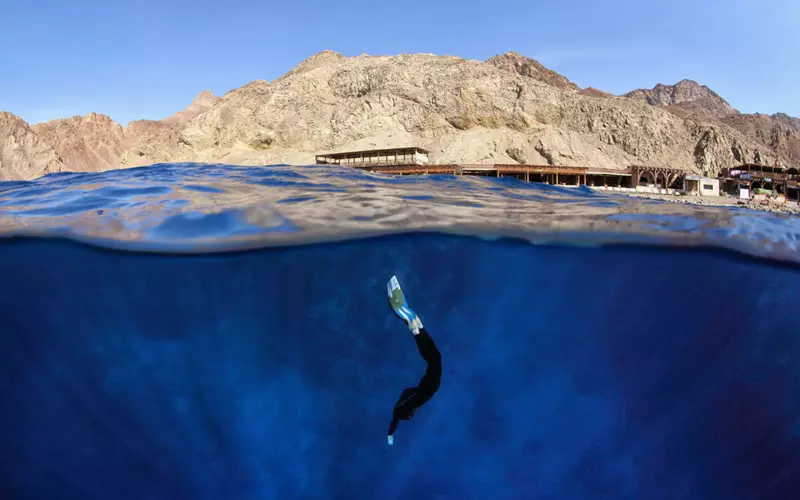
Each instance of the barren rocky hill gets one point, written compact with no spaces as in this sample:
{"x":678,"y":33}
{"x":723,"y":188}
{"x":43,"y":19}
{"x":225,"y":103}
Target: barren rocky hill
{"x":23,"y":154}
{"x":779,"y":134}
{"x":95,"y":142}
{"x":156,"y":141}
{"x":508,"y":109}
{"x":91,"y":143}
{"x":688,"y":95}
{"x":462,"y":110}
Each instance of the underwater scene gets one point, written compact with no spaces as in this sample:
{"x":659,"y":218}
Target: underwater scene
{"x":193,"y":331}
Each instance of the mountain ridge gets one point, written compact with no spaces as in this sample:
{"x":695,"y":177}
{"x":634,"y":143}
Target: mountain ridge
{"x":686,"y":94}
{"x":508,"y":108}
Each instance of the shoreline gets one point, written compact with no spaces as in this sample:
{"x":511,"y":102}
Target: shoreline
{"x":790,"y":208}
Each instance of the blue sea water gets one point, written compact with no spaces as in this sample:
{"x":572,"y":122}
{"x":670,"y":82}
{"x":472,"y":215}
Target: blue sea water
{"x":208,"y":331}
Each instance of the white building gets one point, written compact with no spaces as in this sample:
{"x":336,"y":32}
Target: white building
{"x":697,"y":185}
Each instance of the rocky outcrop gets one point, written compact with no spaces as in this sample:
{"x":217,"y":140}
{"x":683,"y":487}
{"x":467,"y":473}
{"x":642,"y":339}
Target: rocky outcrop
{"x":717,"y":148}
{"x":204,"y":101}
{"x":90,"y":143}
{"x":319,"y":59}
{"x":686,"y":95}
{"x":780,"y":133}
{"x":151,"y":141}
{"x":530,"y":68}
{"x":23,"y":154}
{"x":593,"y":92}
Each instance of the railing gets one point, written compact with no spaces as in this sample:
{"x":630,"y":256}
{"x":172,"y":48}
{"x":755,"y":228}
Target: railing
{"x":370,"y":162}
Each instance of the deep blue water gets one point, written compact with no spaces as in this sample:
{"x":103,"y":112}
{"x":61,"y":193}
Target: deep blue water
{"x":144,"y":358}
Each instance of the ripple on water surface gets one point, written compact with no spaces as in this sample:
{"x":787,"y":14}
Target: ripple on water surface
{"x":199,"y":207}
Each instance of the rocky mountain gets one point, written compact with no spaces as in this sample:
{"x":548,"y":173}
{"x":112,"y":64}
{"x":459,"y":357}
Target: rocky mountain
{"x":686,"y":95}
{"x":95,"y":142}
{"x":779,"y":134}
{"x":462,"y":110}
{"x":23,"y":154}
{"x":509,"y":109}
{"x":90,"y":143}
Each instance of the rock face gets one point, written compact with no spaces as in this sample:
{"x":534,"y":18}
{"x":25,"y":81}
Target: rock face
{"x":687,"y":95}
{"x":23,"y":154}
{"x":779,"y":132}
{"x":90,"y":143}
{"x":509,"y":109}
{"x":149,"y":142}
{"x":95,"y":142}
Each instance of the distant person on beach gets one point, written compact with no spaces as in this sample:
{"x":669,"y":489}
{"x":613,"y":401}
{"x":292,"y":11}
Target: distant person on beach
{"x":414,"y":397}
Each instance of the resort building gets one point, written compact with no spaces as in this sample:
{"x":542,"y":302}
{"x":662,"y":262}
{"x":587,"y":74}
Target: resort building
{"x":609,"y":178}
{"x":748,"y":181}
{"x":376,"y":157}
{"x":751,"y":180}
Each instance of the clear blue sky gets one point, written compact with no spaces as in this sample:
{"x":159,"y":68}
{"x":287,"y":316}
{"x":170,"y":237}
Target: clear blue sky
{"x":149,"y":58}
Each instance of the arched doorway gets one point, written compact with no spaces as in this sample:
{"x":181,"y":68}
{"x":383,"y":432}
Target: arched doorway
{"x":661,"y":180}
{"x":646,"y":178}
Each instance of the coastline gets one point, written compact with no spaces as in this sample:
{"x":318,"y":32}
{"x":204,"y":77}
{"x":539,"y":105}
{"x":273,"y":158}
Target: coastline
{"x":791,"y":208}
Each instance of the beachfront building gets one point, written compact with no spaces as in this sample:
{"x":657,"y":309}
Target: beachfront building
{"x":376,"y":157}
{"x":549,"y":174}
{"x":415,"y":161}
{"x":698,"y":185}
{"x":562,"y":175}
{"x":793,"y":184}
{"x":609,"y":178}
{"x":752,"y":179}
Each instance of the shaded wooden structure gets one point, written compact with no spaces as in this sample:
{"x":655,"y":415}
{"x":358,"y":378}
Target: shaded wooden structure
{"x":551,"y":174}
{"x":754,"y":176}
{"x":609,"y":177}
{"x":661,"y":177}
{"x":415,"y":161}
{"x":792,"y":184}
{"x":376,"y":157}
